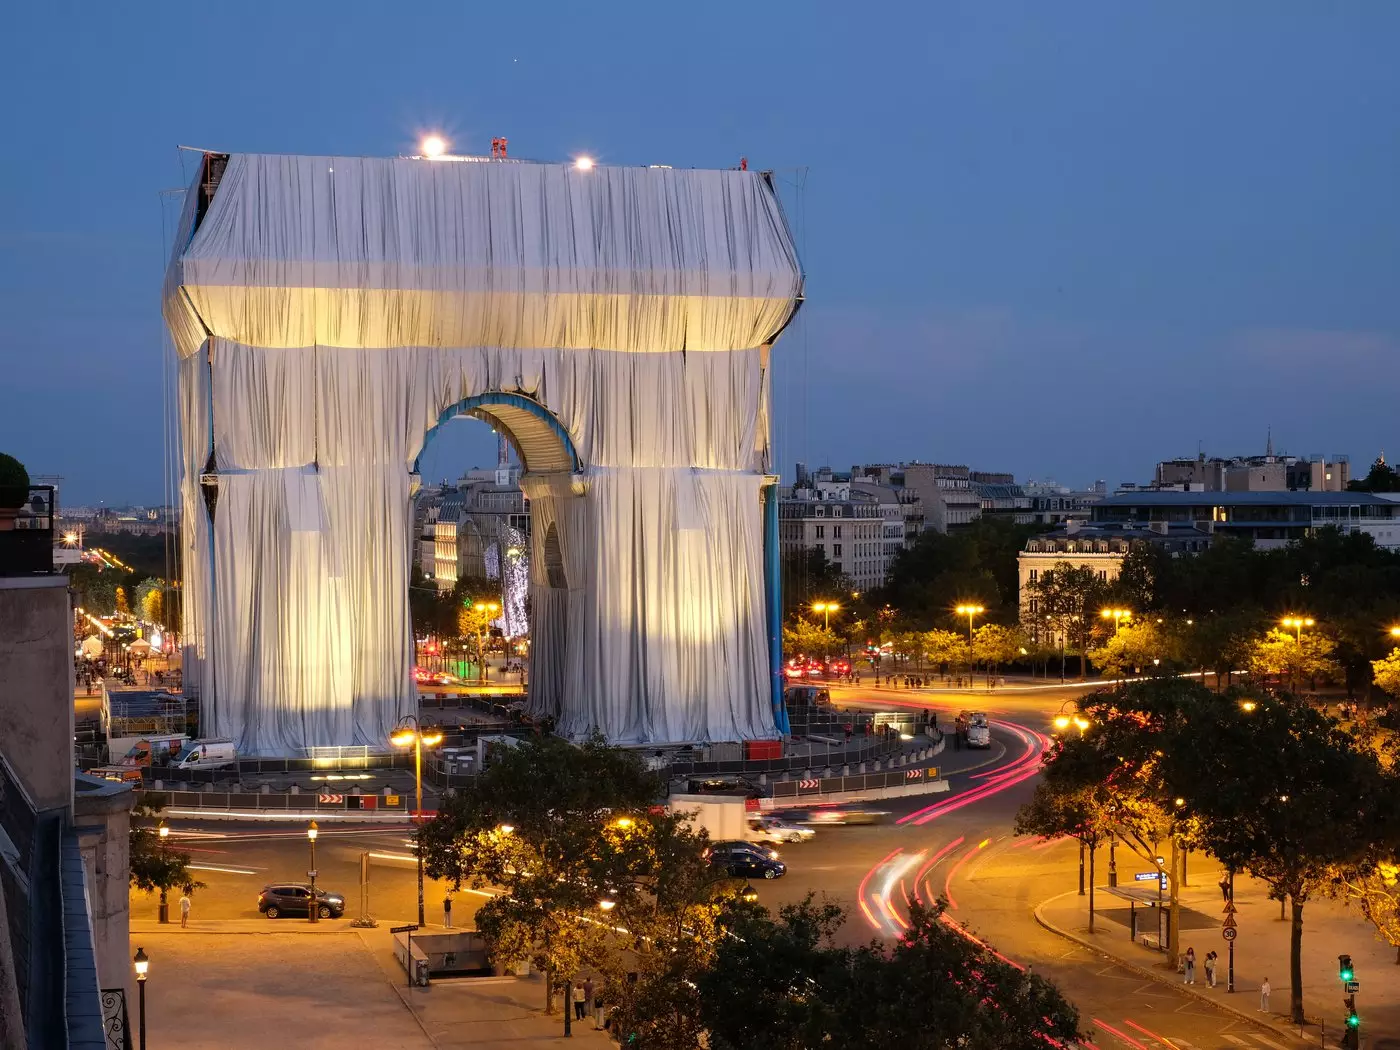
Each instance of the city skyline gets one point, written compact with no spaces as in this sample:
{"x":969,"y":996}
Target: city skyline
{"x":1196,"y":254}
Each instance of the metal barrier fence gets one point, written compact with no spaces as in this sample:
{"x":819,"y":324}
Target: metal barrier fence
{"x":860,"y":782}
{"x":306,"y":800}
{"x":826,"y":755}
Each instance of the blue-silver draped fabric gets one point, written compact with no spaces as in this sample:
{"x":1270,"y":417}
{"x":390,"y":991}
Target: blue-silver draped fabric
{"x":328,"y":310}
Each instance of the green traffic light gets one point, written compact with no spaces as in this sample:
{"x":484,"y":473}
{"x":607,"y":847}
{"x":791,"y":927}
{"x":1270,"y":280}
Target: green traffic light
{"x":1347,"y":975}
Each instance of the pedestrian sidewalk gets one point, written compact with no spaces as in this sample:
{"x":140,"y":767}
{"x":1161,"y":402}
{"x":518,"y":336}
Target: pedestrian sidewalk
{"x":245,"y":926}
{"x":1261,"y":949}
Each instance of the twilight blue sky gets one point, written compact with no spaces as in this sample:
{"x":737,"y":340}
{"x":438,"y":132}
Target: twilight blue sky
{"x":1059,"y":238}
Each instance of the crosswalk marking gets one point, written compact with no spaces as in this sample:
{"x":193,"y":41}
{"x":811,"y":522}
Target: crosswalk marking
{"x":1270,"y":1043}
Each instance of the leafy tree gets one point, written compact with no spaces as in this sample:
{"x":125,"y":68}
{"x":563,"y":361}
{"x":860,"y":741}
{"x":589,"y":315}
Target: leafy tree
{"x":535,"y":823}
{"x":994,"y":645}
{"x":1133,"y":647}
{"x":1307,"y":803}
{"x":156,"y":866}
{"x":1378,"y":895}
{"x":152,"y":603}
{"x":1220,"y":642}
{"x":802,"y":637}
{"x":933,"y":988}
{"x":946,"y":647}
{"x":1387,"y":672}
{"x":1304,"y":658}
{"x":665,"y":906}
{"x":1084,"y":813}
{"x":122,"y":606}
{"x":1380,"y":478}
{"x":1068,"y":598}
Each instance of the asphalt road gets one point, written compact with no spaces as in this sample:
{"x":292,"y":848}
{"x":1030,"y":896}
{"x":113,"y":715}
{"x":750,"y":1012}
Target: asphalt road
{"x":957,"y":845}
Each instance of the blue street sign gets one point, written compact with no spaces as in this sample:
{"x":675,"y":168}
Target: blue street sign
{"x":1144,"y":876}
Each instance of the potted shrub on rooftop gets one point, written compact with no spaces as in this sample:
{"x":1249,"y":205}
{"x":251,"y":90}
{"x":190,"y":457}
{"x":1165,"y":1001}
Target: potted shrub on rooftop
{"x":14,"y":490}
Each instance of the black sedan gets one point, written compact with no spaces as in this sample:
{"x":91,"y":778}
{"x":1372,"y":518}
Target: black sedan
{"x":745,"y":859}
{"x":295,"y":899}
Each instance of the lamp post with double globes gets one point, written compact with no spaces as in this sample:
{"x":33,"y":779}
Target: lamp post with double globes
{"x":407,"y":732}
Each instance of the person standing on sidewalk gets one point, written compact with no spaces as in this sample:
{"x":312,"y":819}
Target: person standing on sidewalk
{"x":580,"y":1002}
{"x":447,"y":913}
{"x":1190,"y":966}
{"x":1210,"y":968}
{"x":185,"y":908}
{"x":588,"y":995}
{"x":1264,"y":991}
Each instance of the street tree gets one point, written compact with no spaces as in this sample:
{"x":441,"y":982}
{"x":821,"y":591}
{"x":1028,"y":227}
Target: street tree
{"x":1300,"y":659}
{"x":995,"y":644}
{"x":1267,"y":785}
{"x":1378,"y":896}
{"x":474,"y":620}
{"x":945,"y":647}
{"x":1068,"y":598}
{"x":154,"y":865}
{"x":662,"y":913}
{"x":1386,"y":672}
{"x":1086,"y":813}
{"x":534,"y":824}
{"x":1135,"y":647}
{"x":803,"y":637}
{"x":932,"y":989}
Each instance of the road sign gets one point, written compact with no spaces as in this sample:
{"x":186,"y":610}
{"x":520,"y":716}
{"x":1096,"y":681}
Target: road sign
{"x":330,"y":798}
{"x":1229,"y":908}
{"x":404,"y":929}
{"x":1229,"y":933}
{"x":391,"y":800}
{"x":1229,"y":922}
{"x":1144,"y":876}
{"x":1353,"y":987}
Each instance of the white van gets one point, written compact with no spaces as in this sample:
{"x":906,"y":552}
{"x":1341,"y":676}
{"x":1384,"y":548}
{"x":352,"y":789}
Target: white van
{"x":206,"y":754}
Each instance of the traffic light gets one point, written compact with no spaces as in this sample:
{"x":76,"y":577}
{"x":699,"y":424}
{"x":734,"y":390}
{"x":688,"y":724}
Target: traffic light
{"x":1344,"y":968}
{"x":1351,"y":1033}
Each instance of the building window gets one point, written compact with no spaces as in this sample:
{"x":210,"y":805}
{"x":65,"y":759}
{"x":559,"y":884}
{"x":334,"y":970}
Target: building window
{"x":1034,"y":574}
{"x":836,"y":550}
{"x":836,"y":531}
{"x":821,"y":532}
{"x":821,"y":512}
{"x":1035,"y":606}
{"x":835,"y":512}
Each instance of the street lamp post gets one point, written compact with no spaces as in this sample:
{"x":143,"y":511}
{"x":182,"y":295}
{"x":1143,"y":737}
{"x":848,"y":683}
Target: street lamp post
{"x":1298,"y":623}
{"x":1117,"y":616}
{"x":408,"y":731}
{"x":970,"y":611}
{"x":142,"y":965}
{"x":312,"y":908}
{"x":826,"y":609}
{"x":164,"y":915}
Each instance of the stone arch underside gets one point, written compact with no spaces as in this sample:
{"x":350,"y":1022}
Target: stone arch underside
{"x":324,"y":334}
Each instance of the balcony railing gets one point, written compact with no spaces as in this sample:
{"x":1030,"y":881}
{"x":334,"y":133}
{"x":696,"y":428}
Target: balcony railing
{"x":27,"y":518}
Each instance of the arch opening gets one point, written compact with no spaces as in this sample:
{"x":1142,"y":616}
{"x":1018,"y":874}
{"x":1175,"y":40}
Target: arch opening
{"x":541,"y":441}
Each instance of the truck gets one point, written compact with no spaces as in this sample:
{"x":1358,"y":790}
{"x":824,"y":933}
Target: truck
{"x":973,"y":728}
{"x":725,"y":817}
{"x":154,"y":750}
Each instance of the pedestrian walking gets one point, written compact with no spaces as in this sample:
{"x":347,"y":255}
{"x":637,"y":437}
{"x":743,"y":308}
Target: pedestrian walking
{"x":580,"y":1003}
{"x":447,"y":913}
{"x":1210,"y":968}
{"x":1264,"y":991}
{"x":1225,"y":888}
{"x":185,"y":908}
{"x":1190,"y":966}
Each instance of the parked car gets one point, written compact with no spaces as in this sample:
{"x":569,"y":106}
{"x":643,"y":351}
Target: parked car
{"x":294,"y":898}
{"x":206,"y":754}
{"x":745,"y":859}
{"x":772,"y":829}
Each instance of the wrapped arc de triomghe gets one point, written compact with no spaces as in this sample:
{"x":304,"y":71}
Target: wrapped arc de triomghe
{"x":329,"y":312}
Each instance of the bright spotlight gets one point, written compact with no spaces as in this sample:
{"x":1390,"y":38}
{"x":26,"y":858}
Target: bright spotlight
{"x":583,"y":163}
{"x":434,"y":146}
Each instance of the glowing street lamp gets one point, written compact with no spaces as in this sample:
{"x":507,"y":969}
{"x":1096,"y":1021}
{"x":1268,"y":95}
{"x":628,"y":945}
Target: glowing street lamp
{"x":407,"y":732}
{"x":1298,"y":623}
{"x":826,"y":609}
{"x":1247,"y":706}
{"x":313,"y":908}
{"x":1117,"y":616}
{"x":142,"y":963}
{"x":1395,"y":632}
{"x":969,"y":611}
{"x":164,"y":915}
